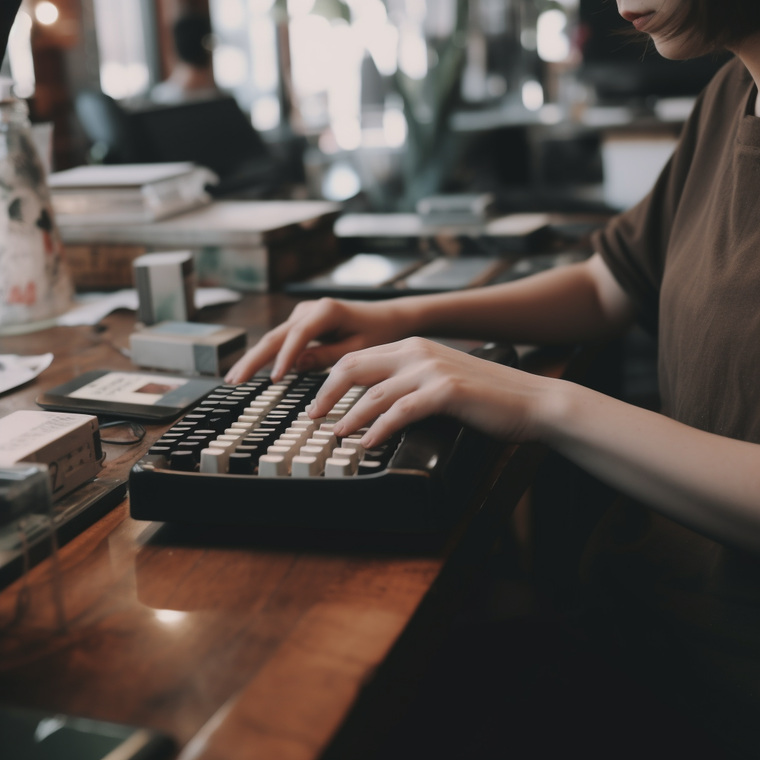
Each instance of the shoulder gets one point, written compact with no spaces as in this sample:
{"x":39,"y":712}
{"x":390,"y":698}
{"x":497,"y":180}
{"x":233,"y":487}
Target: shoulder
{"x":732,"y":82}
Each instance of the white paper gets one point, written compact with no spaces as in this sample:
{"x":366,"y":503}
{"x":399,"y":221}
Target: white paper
{"x":129,"y":388}
{"x":17,"y":370}
{"x":93,"y":307}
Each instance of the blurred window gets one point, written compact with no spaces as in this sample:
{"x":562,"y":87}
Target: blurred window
{"x":20,"y":55}
{"x":121,"y":29}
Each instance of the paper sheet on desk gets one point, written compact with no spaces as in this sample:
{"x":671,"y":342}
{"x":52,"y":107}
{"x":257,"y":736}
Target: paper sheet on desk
{"x":94,"y":306}
{"x":17,"y":370}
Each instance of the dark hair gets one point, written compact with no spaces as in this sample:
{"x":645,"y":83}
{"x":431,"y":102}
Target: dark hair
{"x":190,"y":31}
{"x":715,"y":23}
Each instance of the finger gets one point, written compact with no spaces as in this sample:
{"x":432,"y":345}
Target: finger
{"x":377,"y":400}
{"x":411,"y":407}
{"x":321,"y":357}
{"x":367,"y":367}
{"x":323,"y":318}
{"x":257,"y":356}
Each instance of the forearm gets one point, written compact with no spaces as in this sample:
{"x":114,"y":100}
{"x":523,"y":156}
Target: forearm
{"x":565,"y":305}
{"x":702,"y":480}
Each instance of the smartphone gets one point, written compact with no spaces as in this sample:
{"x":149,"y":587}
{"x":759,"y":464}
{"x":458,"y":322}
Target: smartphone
{"x":33,"y":735}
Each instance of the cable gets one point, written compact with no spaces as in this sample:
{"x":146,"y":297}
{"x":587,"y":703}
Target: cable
{"x":138,"y":431}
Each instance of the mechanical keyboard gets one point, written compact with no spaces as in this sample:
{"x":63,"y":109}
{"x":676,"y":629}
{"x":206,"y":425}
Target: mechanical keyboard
{"x":250,"y":455}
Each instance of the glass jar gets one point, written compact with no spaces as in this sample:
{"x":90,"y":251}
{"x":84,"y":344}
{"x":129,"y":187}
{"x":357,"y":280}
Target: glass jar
{"x":35,"y":287}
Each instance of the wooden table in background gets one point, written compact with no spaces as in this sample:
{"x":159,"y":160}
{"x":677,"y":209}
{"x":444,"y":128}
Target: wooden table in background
{"x":239,"y":644}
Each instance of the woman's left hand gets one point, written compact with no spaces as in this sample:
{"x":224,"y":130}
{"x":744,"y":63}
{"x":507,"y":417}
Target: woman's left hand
{"x":415,"y":378}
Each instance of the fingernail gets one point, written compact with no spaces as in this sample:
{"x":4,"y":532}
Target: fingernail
{"x":338,"y":429}
{"x":366,"y":441}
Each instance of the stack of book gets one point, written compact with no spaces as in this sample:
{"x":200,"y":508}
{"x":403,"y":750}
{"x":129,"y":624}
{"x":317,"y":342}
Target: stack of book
{"x":245,"y":245}
{"x":128,"y":193}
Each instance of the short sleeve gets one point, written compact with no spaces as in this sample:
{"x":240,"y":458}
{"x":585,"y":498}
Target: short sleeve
{"x":634,"y":244}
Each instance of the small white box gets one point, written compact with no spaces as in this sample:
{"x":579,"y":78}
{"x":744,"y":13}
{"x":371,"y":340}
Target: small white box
{"x":165,"y":285}
{"x":188,"y":347}
{"x":69,"y":444}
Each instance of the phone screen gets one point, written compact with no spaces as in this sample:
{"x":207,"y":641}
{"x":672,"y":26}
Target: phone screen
{"x":32,"y":735}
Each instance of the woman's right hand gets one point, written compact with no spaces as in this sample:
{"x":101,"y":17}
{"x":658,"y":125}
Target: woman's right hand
{"x":339,"y":326}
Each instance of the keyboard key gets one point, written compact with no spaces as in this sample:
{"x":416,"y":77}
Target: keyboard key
{"x":182,"y":461}
{"x":305,"y":466}
{"x":240,"y":464}
{"x":320,"y":452}
{"x":353,"y":443}
{"x":351,"y":454}
{"x":214,"y":460}
{"x":338,"y":468}
{"x":327,"y":436}
{"x":272,"y":466}
{"x":369,"y":468}
{"x":194,"y":447}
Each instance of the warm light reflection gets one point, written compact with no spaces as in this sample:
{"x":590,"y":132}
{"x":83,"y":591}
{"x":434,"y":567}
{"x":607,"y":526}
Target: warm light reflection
{"x":170,"y":617}
{"x":413,"y":54}
{"x":265,"y":113}
{"x":124,"y":70}
{"x":341,"y":182}
{"x":46,"y":13}
{"x":394,"y":127}
{"x":551,"y":36}
{"x":532,"y":95}
{"x":230,"y":14}
{"x":230,"y":66}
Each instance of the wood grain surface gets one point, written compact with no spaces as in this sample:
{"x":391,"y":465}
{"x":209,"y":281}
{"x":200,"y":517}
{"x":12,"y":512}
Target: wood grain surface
{"x":239,"y":644}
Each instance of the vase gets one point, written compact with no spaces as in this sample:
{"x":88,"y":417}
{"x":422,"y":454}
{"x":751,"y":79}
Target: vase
{"x":35,"y":286}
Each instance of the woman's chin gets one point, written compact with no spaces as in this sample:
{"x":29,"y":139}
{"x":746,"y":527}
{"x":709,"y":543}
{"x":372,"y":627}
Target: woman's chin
{"x":678,"y":49}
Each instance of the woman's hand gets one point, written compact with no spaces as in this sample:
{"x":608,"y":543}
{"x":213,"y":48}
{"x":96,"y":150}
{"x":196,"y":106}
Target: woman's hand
{"x":415,"y":378}
{"x":340,"y":327}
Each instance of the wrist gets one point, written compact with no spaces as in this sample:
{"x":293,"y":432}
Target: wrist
{"x":409,"y":315}
{"x":559,"y":411}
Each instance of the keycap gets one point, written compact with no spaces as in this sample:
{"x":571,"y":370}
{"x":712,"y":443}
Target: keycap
{"x":305,"y":466}
{"x":272,"y":466}
{"x":240,"y":463}
{"x":214,"y":460}
{"x":350,"y":454}
{"x":194,"y":447}
{"x":182,"y":461}
{"x":228,"y":446}
{"x":286,"y":452}
{"x":353,"y":443}
{"x":338,"y":468}
{"x":329,"y":437}
{"x":320,"y":452}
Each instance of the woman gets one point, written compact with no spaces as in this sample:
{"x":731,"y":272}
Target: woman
{"x":686,"y":250}
{"x":686,"y":262}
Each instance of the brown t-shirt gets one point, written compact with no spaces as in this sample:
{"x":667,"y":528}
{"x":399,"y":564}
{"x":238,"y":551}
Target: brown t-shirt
{"x":689,"y":257}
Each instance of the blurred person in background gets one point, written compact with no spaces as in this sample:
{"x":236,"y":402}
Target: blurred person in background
{"x":193,"y":75}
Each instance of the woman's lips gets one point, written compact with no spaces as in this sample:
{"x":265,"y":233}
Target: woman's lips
{"x":639,"y":20}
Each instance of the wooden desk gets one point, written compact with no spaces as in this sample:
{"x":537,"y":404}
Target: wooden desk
{"x":254,"y":644}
